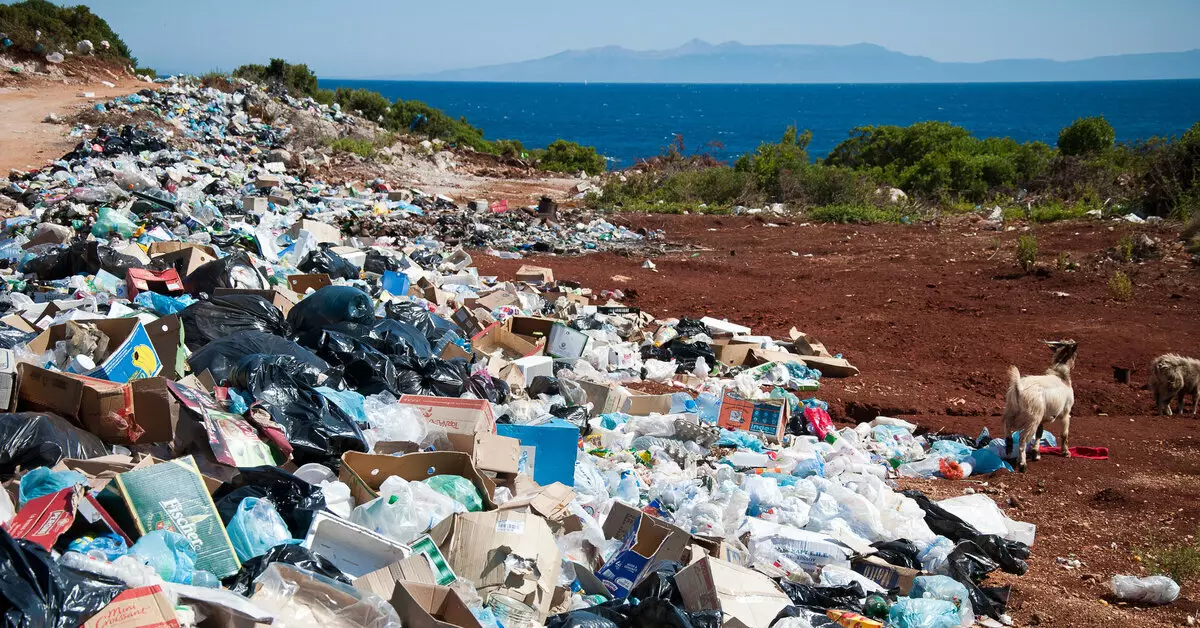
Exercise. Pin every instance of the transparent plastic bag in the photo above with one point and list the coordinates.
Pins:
(257, 527)
(659, 371)
(42, 481)
(169, 553)
(113, 222)
(337, 498)
(392, 513)
(432, 506)
(981, 512)
(1151, 590)
(923, 613)
(393, 422)
(301, 598)
(947, 589)
(935, 558)
(458, 488)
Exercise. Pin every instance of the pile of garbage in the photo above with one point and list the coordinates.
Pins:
(225, 404)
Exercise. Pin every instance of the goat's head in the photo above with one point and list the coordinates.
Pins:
(1064, 352)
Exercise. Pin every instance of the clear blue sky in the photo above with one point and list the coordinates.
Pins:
(362, 38)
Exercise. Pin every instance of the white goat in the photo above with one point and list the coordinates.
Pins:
(1174, 377)
(1037, 400)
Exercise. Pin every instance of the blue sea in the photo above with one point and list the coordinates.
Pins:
(627, 122)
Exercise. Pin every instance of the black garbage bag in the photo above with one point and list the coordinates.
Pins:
(365, 368)
(542, 385)
(688, 327)
(817, 619)
(437, 330)
(242, 582)
(485, 386)
(846, 597)
(34, 439)
(218, 317)
(232, 271)
(969, 565)
(686, 353)
(330, 305)
(324, 260)
(580, 619)
(51, 262)
(1009, 555)
(220, 356)
(660, 584)
(446, 378)
(398, 338)
(318, 430)
(37, 592)
(901, 552)
(575, 415)
(377, 262)
(296, 500)
(655, 612)
(12, 337)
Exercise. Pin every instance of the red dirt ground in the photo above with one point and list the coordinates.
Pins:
(933, 315)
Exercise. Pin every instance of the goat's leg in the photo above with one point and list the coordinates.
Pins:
(1195, 401)
(1037, 443)
(1026, 436)
(1179, 398)
(1066, 433)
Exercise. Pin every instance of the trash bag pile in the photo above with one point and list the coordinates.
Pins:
(227, 404)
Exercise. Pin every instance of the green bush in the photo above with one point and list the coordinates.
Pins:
(363, 102)
(1027, 252)
(1120, 287)
(860, 214)
(418, 117)
(1086, 136)
(570, 157)
(509, 148)
(360, 147)
(296, 78)
(769, 163)
(812, 186)
(61, 28)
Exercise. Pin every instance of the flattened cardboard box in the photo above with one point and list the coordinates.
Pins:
(364, 473)
(885, 574)
(647, 541)
(143, 607)
(741, 594)
(430, 606)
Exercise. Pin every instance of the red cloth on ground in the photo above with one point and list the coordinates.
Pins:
(1089, 453)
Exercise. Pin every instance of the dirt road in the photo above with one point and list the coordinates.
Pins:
(933, 316)
(25, 141)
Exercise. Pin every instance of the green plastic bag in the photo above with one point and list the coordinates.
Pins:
(112, 221)
(459, 489)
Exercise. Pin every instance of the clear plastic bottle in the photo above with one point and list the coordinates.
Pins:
(708, 406)
(682, 402)
(627, 489)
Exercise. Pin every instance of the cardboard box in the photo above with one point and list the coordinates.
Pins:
(166, 334)
(146, 280)
(185, 261)
(415, 568)
(499, 298)
(172, 495)
(647, 541)
(548, 450)
(456, 416)
(743, 596)
(45, 519)
(430, 606)
(725, 549)
(322, 232)
(477, 544)
(254, 204)
(605, 398)
(642, 404)
(490, 452)
(768, 417)
(552, 502)
(143, 607)
(732, 353)
(534, 274)
(891, 577)
(364, 473)
(174, 246)
(139, 412)
(266, 180)
(353, 549)
(534, 366)
(499, 345)
(300, 284)
(472, 322)
(531, 328)
(130, 354)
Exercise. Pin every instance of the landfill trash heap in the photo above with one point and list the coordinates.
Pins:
(227, 405)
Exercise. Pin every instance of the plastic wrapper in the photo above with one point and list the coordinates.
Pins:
(324, 260)
(949, 590)
(257, 527)
(32, 439)
(220, 357)
(301, 599)
(659, 371)
(242, 583)
(35, 591)
(11, 337)
(575, 415)
(330, 305)
(458, 488)
(1151, 590)
(107, 547)
(295, 500)
(42, 481)
(221, 316)
(162, 304)
(232, 271)
(168, 553)
(391, 421)
(923, 613)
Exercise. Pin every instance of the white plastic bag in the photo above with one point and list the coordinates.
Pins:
(659, 371)
(1151, 590)
(391, 421)
(981, 512)
(392, 514)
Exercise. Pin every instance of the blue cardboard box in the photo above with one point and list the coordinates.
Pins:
(647, 541)
(548, 450)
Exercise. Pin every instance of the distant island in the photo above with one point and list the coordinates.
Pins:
(701, 62)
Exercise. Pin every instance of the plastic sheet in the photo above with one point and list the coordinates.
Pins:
(923, 613)
(242, 583)
(168, 553)
(31, 439)
(301, 599)
(458, 488)
(257, 527)
(38, 592)
(42, 481)
(221, 316)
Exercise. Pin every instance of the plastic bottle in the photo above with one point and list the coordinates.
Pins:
(627, 488)
(682, 402)
(708, 406)
(1151, 590)
(876, 607)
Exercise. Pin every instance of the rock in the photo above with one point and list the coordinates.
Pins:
(427, 145)
(444, 160)
(52, 118)
(583, 187)
(894, 195)
(85, 47)
(279, 155)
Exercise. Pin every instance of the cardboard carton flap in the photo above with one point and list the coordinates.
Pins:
(364, 473)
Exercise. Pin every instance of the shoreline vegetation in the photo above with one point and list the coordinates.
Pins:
(877, 174)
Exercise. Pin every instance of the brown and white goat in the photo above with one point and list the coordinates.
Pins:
(1035, 401)
(1172, 377)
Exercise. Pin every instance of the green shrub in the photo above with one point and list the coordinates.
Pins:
(296, 78)
(1178, 559)
(1086, 136)
(417, 117)
(60, 27)
(360, 147)
(363, 102)
(570, 157)
(1125, 249)
(814, 185)
(771, 161)
(860, 214)
(1120, 287)
(509, 148)
(1027, 251)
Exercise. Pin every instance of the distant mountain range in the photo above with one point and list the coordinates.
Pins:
(701, 62)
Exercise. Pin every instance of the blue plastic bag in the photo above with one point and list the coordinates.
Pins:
(349, 401)
(741, 440)
(951, 449)
(162, 304)
(257, 527)
(987, 461)
(947, 589)
(42, 481)
(923, 613)
(169, 553)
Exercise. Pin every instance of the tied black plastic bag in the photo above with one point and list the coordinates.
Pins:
(37, 592)
(218, 317)
(969, 566)
(32, 439)
(396, 338)
(846, 597)
(446, 378)
(232, 271)
(660, 584)
(318, 431)
(331, 305)
(542, 385)
(655, 613)
(296, 500)
(575, 415)
(688, 327)
(816, 619)
(220, 356)
(1010, 555)
(377, 262)
(437, 330)
(324, 260)
(487, 387)
(365, 368)
(242, 583)
(50, 262)
(685, 354)
(901, 552)
(580, 619)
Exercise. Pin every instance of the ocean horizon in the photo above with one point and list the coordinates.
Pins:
(629, 121)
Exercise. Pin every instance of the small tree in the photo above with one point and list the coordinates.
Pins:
(1087, 136)
(1027, 250)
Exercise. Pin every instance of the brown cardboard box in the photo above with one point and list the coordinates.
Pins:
(643, 404)
(647, 541)
(16, 322)
(605, 398)
(143, 607)
(490, 452)
(110, 410)
(499, 346)
(829, 367)
(496, 299)
(174, 246)
(732, 353)
(477, 544)
(364, 473)
(322, 232)
(891, 577)
(531, 328)
(457, 416)
(744, 596)
(129, 355)
(185, 260)
(166, 334)
(551, 501)
(301, 283)
(415, 568)
(430, 606)
(725, 549)
(534, 274)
